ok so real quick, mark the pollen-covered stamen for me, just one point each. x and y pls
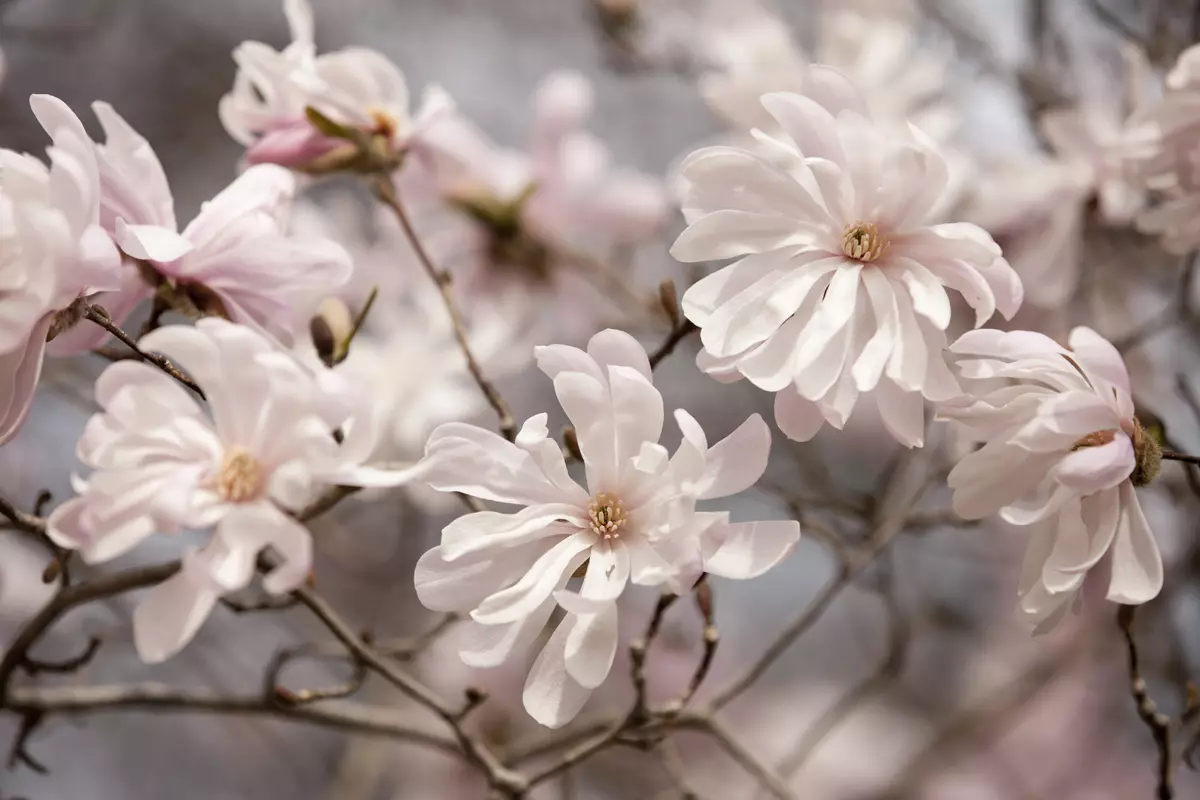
(241, 477)
(607, 515)
(863, 242)
(1095, 439)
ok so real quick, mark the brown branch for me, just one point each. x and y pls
(759, 771)
(984, 721)
(499, 777)
(891, 515)
(890, 668)
(350, 717)
(386, 193)
(668, 346)
(1158, 723)
(99, 316)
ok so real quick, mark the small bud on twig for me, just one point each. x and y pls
(668, 297)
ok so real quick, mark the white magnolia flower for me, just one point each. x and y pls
(1163, 145)
(1038, 204)
(527, 215)
(163, 465)
(235, 259)
(357, 87)
(901, 82)
(1063, 452)
(635, 521)
(843, 289)
(52, 252)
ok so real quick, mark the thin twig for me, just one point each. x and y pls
(387, 195)
(759, 771)
(351, 717)
(668, 346)
(890, 667)
(1171, 455)
(99, 316)
(1158, 723)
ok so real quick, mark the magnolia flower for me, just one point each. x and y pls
(901, 82)
(54, 252)
(635, 522)
(355, 87)
(1038, 205)
(529, 216)
(163, 465)
(1162, 146)
(1063, 452)
(844, 287)
(235, 259)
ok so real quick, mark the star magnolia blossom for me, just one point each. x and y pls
(844, 287)
(635, 521)
(1063, 452)
(162, 465)
(900, 81)
(358, 87)
(52, 252)
(529, 212)
(1038, 205)
(1162, 138)
(234, 259)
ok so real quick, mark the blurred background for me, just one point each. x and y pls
(919, 681)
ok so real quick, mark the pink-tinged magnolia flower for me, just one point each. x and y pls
(357, 87)
(163, 465)
(635, 522)
(1163, 146)
(53, 252)
(843, 289)
(235, 259)
(1063, 452)
(1038, 205)
(522, 218)
(901, 82)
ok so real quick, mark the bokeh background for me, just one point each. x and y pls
(960, 703)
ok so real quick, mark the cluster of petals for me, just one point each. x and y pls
(1062, 451)
(528, 213)
(164, 465)
(52, 253)
(841, 287)
(266, 111)
(634, 522)
(877, 50)
(236, 259)
(1038, 205)
(1162, 139)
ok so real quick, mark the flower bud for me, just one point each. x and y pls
(295, 146)
(331, 329)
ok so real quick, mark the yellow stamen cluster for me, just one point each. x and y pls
(863, 242)
(608, 515)
(241, 477)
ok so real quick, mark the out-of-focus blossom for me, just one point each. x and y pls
(1063, 452)
(635, 522)
(537, 222)
(901, 82)
(1038, 204)
(843, 289)
(162, 465)
(1164, 139)
(355, 87)
(53, 253)
(235, 259)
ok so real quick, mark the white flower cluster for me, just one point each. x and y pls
(847, 259)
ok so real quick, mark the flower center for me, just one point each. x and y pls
(608, 515)
(862, 242)
(241, 477)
